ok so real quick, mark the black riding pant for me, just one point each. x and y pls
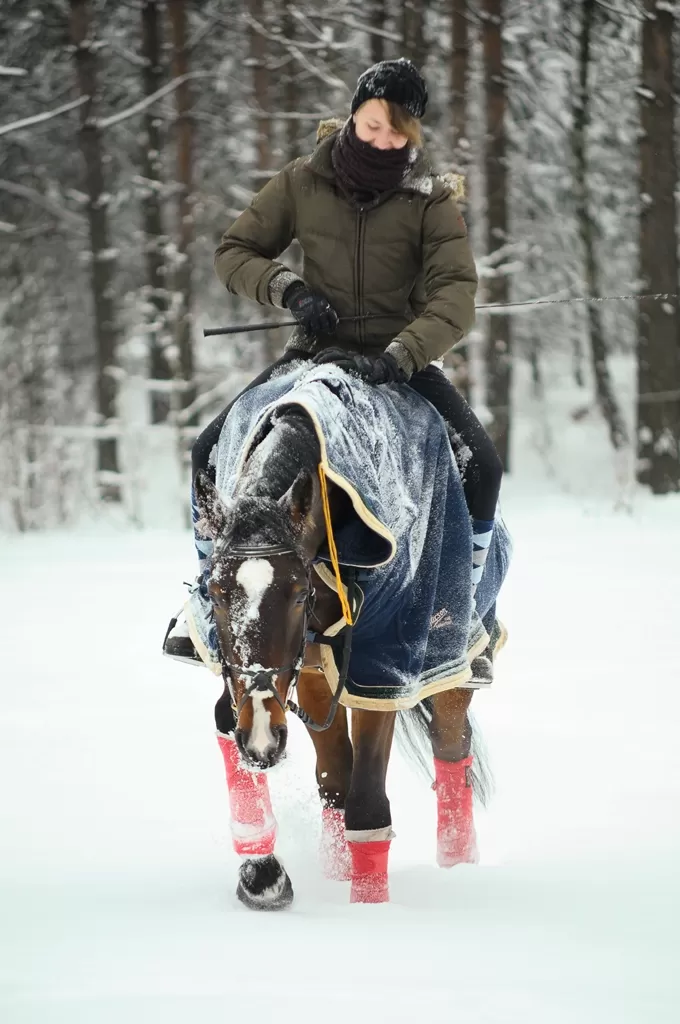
(481, 467)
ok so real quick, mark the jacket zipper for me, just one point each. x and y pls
(359, 274)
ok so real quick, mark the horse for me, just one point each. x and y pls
(270, 611)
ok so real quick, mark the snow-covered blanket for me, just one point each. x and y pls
(418, 628)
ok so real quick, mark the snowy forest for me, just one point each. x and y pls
(134, 132)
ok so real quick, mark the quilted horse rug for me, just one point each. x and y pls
(410, 537)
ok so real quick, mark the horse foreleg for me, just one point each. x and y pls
(263, 882)
(333, 772)
(451, 737)
(368, 818)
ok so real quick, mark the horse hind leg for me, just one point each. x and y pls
(263, 882)
(451, 736)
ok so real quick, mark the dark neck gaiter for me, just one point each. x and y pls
(364, 172)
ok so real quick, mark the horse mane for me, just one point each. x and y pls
(286, 445)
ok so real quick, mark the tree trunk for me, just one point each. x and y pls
(260, 93)
(185, 142)
(606, 398)
(102, 255)
(377, 17)
(291, 87)
(413, 31)
(262, 171)
(460, 61)
(658, 323)
(498, 354)
(458, 361)
(155, 291)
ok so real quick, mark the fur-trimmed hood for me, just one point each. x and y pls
(420, 175)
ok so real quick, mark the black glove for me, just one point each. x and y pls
(313, 312)
(338, 356)
(382, 369)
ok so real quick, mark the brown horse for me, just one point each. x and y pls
(268, 605)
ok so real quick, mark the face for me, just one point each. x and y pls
(259, 605)
(372, 125)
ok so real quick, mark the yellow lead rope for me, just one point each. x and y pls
(344, 603)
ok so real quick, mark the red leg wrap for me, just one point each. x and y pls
(456, 838)
(369, 872)
(253, 825)
(336, 862)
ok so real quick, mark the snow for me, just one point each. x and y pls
(117, 878)
(116, 874)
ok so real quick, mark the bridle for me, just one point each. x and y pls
(262, 679)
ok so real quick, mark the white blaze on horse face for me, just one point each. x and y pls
(254, 575)
(261, 739)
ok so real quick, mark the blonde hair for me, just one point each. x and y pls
(404, 123)
(401, 121)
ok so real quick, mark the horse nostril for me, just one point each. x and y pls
(280, 734)
(238, 736)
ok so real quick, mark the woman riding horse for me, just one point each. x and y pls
(381, 234)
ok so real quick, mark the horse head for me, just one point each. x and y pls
(261, 591)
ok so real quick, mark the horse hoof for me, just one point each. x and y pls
(264, 885)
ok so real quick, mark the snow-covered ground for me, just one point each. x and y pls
(116, 875)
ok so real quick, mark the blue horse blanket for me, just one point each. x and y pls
(410, 538)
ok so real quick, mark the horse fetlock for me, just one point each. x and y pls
(456, 836)
(264, 884)
(369, 867)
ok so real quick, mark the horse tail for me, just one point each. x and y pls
(413, 738)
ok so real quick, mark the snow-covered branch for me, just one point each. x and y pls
(27, 122)
(148, 101)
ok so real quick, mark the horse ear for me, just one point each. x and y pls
(300, 496)
(212, 509)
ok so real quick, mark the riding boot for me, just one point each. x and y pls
(336, 862)
(253, 825)
(178, 643)
(456, 837)
(369, 867)
(482, 531)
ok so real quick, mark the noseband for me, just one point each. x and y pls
(263, 679)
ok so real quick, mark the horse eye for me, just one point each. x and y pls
(301, 597)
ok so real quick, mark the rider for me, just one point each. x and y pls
(380, 234)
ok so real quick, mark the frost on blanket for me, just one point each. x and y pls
(411, 538)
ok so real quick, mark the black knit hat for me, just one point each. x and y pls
(398, 81)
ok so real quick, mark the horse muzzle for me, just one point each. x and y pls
(261, 754)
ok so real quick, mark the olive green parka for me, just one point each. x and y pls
(404, 255)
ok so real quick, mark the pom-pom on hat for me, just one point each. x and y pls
(397, 81)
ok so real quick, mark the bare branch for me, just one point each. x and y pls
(12, 72)
(148, 101)
(26, 122)
(360, 26)
(133, 58)
(38, 199)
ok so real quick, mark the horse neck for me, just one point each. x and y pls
(289, 447)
